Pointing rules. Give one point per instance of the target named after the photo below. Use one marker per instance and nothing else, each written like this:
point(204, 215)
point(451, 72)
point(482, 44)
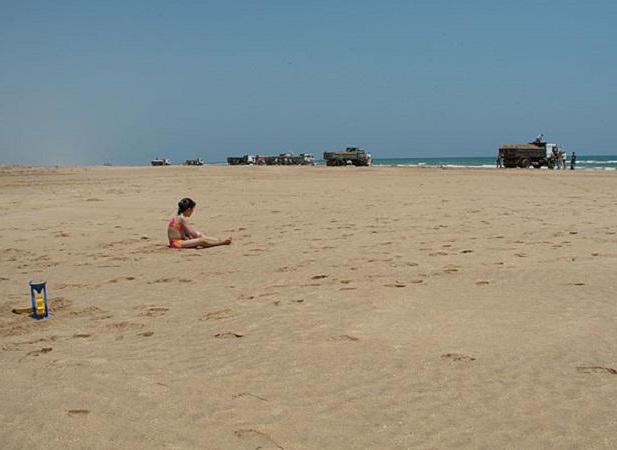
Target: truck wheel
point(524, 163)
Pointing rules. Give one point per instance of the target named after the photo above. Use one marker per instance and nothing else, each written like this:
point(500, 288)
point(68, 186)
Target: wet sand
point(356, 308)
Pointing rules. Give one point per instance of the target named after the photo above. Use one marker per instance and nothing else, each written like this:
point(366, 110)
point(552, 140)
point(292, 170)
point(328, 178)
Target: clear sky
point(87, 82)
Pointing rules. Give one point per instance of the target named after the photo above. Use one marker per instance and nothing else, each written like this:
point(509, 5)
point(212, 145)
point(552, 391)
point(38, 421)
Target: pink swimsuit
point(175, 243)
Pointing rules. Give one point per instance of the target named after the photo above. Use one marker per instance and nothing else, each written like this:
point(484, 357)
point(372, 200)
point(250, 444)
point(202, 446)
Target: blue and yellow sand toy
point(38, 294)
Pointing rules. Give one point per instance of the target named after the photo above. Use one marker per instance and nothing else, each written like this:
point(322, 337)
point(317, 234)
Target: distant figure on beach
point(572, 160)
point(539, 139)
point(181, 233)
point(499, 162)
point(555, 157)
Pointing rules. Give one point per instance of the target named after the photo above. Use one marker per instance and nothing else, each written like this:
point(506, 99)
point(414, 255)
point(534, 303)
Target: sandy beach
point(381, 308)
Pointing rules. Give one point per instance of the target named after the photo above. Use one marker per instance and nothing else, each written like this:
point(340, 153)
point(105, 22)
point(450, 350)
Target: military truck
point(536, 154)
point(246, 160)
point(194, 162)
point(160, 162)
point(350, 156)
point(286, 159)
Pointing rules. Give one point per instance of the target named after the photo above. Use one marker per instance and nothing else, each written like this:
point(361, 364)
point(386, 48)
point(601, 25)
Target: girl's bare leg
point(205, 241)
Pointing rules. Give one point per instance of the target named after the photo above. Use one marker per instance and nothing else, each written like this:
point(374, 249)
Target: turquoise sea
point(583, 162)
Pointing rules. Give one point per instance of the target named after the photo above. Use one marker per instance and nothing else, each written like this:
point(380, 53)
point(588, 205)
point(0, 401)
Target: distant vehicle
point(535, 154)
point(283, 159)
point(160, 162)
point(246, 160)
point(350, 156)
point(286, 159)
point(194, 162)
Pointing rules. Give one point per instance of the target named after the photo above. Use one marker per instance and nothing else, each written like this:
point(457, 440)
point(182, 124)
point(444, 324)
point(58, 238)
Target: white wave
point(593, 161)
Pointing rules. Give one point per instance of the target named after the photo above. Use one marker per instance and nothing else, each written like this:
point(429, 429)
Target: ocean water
point(583, 162)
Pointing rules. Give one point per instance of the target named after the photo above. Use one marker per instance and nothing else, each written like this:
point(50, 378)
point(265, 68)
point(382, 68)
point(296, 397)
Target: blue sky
point(125, 81)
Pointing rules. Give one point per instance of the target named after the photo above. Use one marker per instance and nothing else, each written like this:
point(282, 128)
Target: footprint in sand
point(597, 369)
point(395, 285)
point(126, 326)
point(450, 270)
point(458, 357)
point(319, 277)
point(87, 311)
point(466, 251)
point(154, 311)
point(482, 283)
point(248, 394)
point(82, 335)
point(218, 315)
point(146, 334)
point(115, 280)
point(42, 351)
point(59, 303)
point(228, 335)
point(257, 439)
point(168, 280)
point(161, 280)
point(344, 337)
point(78, 412)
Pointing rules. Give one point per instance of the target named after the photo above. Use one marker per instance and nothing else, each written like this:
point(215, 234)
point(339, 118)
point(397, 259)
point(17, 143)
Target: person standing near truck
point(572, 160)
point(499, 163)
point(555, 158)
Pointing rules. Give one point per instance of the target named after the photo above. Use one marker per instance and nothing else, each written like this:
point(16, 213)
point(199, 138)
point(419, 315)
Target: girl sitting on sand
point(181, 233)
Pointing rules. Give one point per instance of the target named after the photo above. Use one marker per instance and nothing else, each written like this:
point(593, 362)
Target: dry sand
point(356, 308)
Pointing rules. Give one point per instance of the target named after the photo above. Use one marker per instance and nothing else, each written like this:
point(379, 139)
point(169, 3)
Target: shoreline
point(6, 167)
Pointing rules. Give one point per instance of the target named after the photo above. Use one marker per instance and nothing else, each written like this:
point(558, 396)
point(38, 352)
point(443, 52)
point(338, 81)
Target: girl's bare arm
point(191, 232)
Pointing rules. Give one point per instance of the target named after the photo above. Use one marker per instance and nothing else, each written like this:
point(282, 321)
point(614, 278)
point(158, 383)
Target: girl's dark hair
point(184, 204)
